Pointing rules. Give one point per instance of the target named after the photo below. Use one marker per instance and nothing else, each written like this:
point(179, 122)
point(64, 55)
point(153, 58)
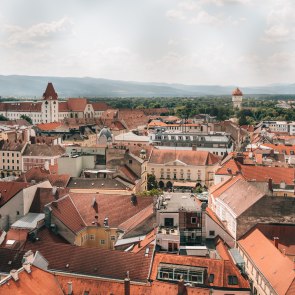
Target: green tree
point(2, 118)
point(151, 182)
point(28, 119)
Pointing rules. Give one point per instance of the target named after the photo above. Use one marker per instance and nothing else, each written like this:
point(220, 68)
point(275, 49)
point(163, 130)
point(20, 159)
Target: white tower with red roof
point(50, 105)
point(237, 98)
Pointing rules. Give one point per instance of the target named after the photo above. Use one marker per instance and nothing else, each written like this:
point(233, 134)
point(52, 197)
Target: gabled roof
point(65, 210)
point(194, 158)
point(48, 126)
point(100, 106)
point(9, 189)
point(37, 150)
point(50, 93)
point(11, 146)
point(258, 173)
point(241, 195)
point(77, 104)
point(275, 266)
point(10, 259)
point(36, 282)
point(39, 174)
point(118, 208)
point(94, 261)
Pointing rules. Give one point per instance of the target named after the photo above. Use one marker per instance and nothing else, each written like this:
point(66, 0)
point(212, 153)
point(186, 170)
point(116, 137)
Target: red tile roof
point(65, 210)
point(136, 219)
point(77, 104)
point(237, 92)
point(9, 189)
point(285, 233)
point(220, 268)
point(100, 106)
point(118, 208)
point(48, 126)
point(21, 107)
point(93, 261)
point(82, 284)
point(275, 267)
point(50, 92)
point(281, 148)
point(197, 158)
point(34, 283)
point(259, 173)
point(39, 174)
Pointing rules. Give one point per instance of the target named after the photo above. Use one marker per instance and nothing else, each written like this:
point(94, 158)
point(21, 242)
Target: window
point(232, 280)
point(212, 233)
point(169, 222)
point(102, 242)
point(130, 161)
point(193, 220)
point(113, 238)
point(91, 237)
point(211, 278)
point(17, 212)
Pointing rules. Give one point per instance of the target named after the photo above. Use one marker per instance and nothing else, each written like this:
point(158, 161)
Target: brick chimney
point(127, 284)
point(29, 256)
point(270, 185)
point(276, 240)
point(181, 287)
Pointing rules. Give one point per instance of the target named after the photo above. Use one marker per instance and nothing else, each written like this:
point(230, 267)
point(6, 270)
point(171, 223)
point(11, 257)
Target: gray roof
point(174, 202)
point(29, 221)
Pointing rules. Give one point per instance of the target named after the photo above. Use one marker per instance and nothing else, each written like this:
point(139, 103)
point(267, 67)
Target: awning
point(184, 184)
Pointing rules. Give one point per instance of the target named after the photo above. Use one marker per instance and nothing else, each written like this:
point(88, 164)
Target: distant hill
point(33, 86)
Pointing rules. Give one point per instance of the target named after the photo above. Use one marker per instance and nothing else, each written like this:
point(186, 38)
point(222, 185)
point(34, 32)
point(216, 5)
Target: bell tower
point(237, 98)
point(50, 105)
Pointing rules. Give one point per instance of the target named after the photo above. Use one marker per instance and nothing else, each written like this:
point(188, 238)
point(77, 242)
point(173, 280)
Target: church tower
point(237, 98)
point(50, 105)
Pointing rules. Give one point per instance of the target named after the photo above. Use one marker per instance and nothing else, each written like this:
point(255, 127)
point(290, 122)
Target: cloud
point(226, 2)
point(194, 12)
point(280, 22)
point(38, 35)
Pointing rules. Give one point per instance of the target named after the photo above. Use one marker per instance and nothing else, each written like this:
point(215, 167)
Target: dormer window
point(232, 280)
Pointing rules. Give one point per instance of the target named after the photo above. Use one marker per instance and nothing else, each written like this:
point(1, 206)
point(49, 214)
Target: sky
point(204, 42)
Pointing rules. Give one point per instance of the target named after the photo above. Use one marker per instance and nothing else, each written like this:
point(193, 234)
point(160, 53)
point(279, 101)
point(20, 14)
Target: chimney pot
point(276, 240)
point(127, 284)
point(14, 274)
point(70, 288)
point(27, 267)
point(181, 287)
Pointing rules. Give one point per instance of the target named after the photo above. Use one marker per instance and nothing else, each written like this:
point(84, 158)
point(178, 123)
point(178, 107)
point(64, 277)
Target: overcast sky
point(225, 42)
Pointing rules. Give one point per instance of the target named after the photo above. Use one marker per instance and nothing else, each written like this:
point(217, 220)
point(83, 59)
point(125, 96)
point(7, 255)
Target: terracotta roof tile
point(48, 126)
point(21, 107)
point(9, 189)
point(118, 208)
point(93, 261)
point(34, 283)
point(197, 158)
point(136, 219)
point(65, 210)
point(10, 259)
point(276, 267)
point(100, 106)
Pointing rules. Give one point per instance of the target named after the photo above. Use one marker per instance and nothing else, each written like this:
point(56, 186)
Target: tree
point(2, 118)
point(28, 119)
point(151, 182)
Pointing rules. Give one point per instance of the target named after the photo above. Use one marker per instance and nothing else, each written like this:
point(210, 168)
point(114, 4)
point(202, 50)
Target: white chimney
point(14, 274)
point(46, 165)
point(70, 288)
point(29, 256)
point(27, 267)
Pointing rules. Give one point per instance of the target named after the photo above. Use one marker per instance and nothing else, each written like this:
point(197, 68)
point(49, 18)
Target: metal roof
point(29, 221)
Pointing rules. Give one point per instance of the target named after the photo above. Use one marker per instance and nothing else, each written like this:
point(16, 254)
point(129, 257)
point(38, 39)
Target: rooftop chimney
point(70, 288)
point(276, 240)
point(181, 287)
point(14, 274)
point(29, 256)
point(127, 284)
point(27, 267)
point(270, 184)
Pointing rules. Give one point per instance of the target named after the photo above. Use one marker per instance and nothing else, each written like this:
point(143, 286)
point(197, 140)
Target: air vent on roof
point(106, 222)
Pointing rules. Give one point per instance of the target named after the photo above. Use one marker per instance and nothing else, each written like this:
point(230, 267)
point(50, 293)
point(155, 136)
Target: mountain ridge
point(34, 86)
